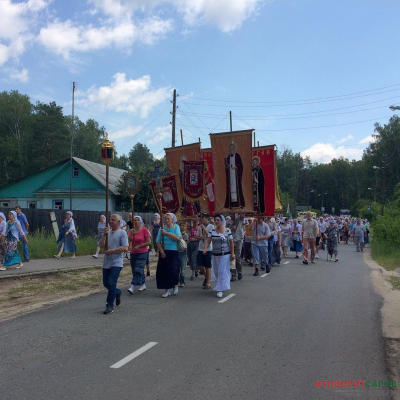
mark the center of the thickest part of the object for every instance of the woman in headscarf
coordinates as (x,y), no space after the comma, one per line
(223,253)
(3,240)
(100,230)
(332,239)
(285,227)
(156,227)
(67,236)
(14,231)
(139,237)
(167,275)
(296,238)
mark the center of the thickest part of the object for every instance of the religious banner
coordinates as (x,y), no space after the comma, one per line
(232,162)
(175,158)
(193,180)
(170,198)
(264,187)
(209,204)
(278,204)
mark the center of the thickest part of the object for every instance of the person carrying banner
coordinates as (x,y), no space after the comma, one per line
(236,225)
(259,244)
(204,257)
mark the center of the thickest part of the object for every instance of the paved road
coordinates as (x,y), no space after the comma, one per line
(273,339)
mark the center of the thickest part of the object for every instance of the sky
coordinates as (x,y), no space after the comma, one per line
(310,75)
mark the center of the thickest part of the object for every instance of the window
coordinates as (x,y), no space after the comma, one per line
(5,204)
(32,204)
(58,204)
(75,172)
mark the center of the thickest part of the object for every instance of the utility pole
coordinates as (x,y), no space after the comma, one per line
(72,144)
(173,118)
(181,137)
(254,135)
(230,119)
(383,189)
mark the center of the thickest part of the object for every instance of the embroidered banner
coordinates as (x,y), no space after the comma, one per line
(193,180)
(232,161)
(209,204)
(170,198)
(264,187)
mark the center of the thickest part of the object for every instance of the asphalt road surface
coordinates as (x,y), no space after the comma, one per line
(274,339)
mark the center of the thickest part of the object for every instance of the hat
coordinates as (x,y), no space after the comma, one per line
(205,214)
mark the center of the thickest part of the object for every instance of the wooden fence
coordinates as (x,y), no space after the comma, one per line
(85,221)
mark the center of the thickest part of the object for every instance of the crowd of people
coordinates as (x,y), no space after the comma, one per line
(217,246)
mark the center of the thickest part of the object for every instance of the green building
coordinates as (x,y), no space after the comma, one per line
(50,188)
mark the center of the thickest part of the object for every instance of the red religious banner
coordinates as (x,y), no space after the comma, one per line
(209,204)
(232,161)
(170,199)
(264,186)
(193,180)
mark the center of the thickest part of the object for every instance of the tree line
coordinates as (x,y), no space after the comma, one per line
(36,136)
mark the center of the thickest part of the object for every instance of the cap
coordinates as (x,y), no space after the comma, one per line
(204,214)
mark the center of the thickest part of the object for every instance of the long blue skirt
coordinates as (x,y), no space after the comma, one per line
(12,255)
(69,244)
(167,275)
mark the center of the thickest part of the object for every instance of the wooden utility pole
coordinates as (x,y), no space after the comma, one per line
(181,137)
(254,135)
(72,143)
(173,118)
(230,119)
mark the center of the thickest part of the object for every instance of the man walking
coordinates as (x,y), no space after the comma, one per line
(309,233)
(273,227)
(359,232)
(113,260)
(25,227)
(204,259)
(236,226)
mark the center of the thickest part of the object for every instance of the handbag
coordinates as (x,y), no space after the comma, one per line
(232,264)
(182,245)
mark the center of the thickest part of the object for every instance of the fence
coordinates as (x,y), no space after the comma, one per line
(85,221)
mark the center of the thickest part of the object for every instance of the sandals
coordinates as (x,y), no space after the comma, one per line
(207,287)
(57,256)
(337,260)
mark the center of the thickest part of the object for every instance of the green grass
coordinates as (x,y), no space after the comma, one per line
(385,255)
(42,245)
(395,281)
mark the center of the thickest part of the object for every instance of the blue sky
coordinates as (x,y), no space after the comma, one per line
(264,60)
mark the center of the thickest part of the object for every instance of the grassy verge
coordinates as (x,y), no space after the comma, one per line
(395,282)
(42,245)
(385,255)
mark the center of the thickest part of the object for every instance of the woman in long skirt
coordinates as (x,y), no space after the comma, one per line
(223,253)
(67,236)
(285,227)
(296,238)
(140,240)
(332,240)
(3,240)
(14,230)
(167,275)
(100,230)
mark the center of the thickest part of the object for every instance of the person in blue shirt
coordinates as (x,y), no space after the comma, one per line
(21,217)
(168,269)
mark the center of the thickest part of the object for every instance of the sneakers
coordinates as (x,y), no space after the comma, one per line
(72,258)
(204,282)
(312,262)
(175,290)
(316,256)
(233,279)
(166,294)
(117,300)
(192,278)
(219,295)
(262,268)
(305,262)
(3,269)
(240,276)
(181,285)
(19,266)
(108,310)
(143,287)
(25,260)
(56,256)
(268,271)
(95,256)
(196,274)
(131,289)
(256,273)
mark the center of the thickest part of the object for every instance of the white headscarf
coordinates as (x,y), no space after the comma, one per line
(14,213)
(70,213)
(223,220)
(141,220)
(157,215)
(174,219)
(2,216)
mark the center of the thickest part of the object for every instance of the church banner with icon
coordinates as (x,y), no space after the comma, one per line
(170,198)
(264,186)
(209,204)
(175,157)
(278,204)
(193,181)
(232,162)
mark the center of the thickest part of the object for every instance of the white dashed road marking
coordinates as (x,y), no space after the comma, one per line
(135,354)
(227,298)
(263,276)
(287,262)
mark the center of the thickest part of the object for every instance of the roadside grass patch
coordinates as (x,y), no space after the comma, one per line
(395,282)
(386,255)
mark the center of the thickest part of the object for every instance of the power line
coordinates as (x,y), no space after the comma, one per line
(302,100)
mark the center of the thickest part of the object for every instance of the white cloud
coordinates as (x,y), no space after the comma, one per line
(125,132)
(16,23)
(22,76)
(227,15)
(345,139)
(325,152)
(367,140)
(159,134)
(133,96)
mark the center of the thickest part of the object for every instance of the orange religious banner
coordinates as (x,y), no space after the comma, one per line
(175,157)
(232,162)
(208,205)
(264,180)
